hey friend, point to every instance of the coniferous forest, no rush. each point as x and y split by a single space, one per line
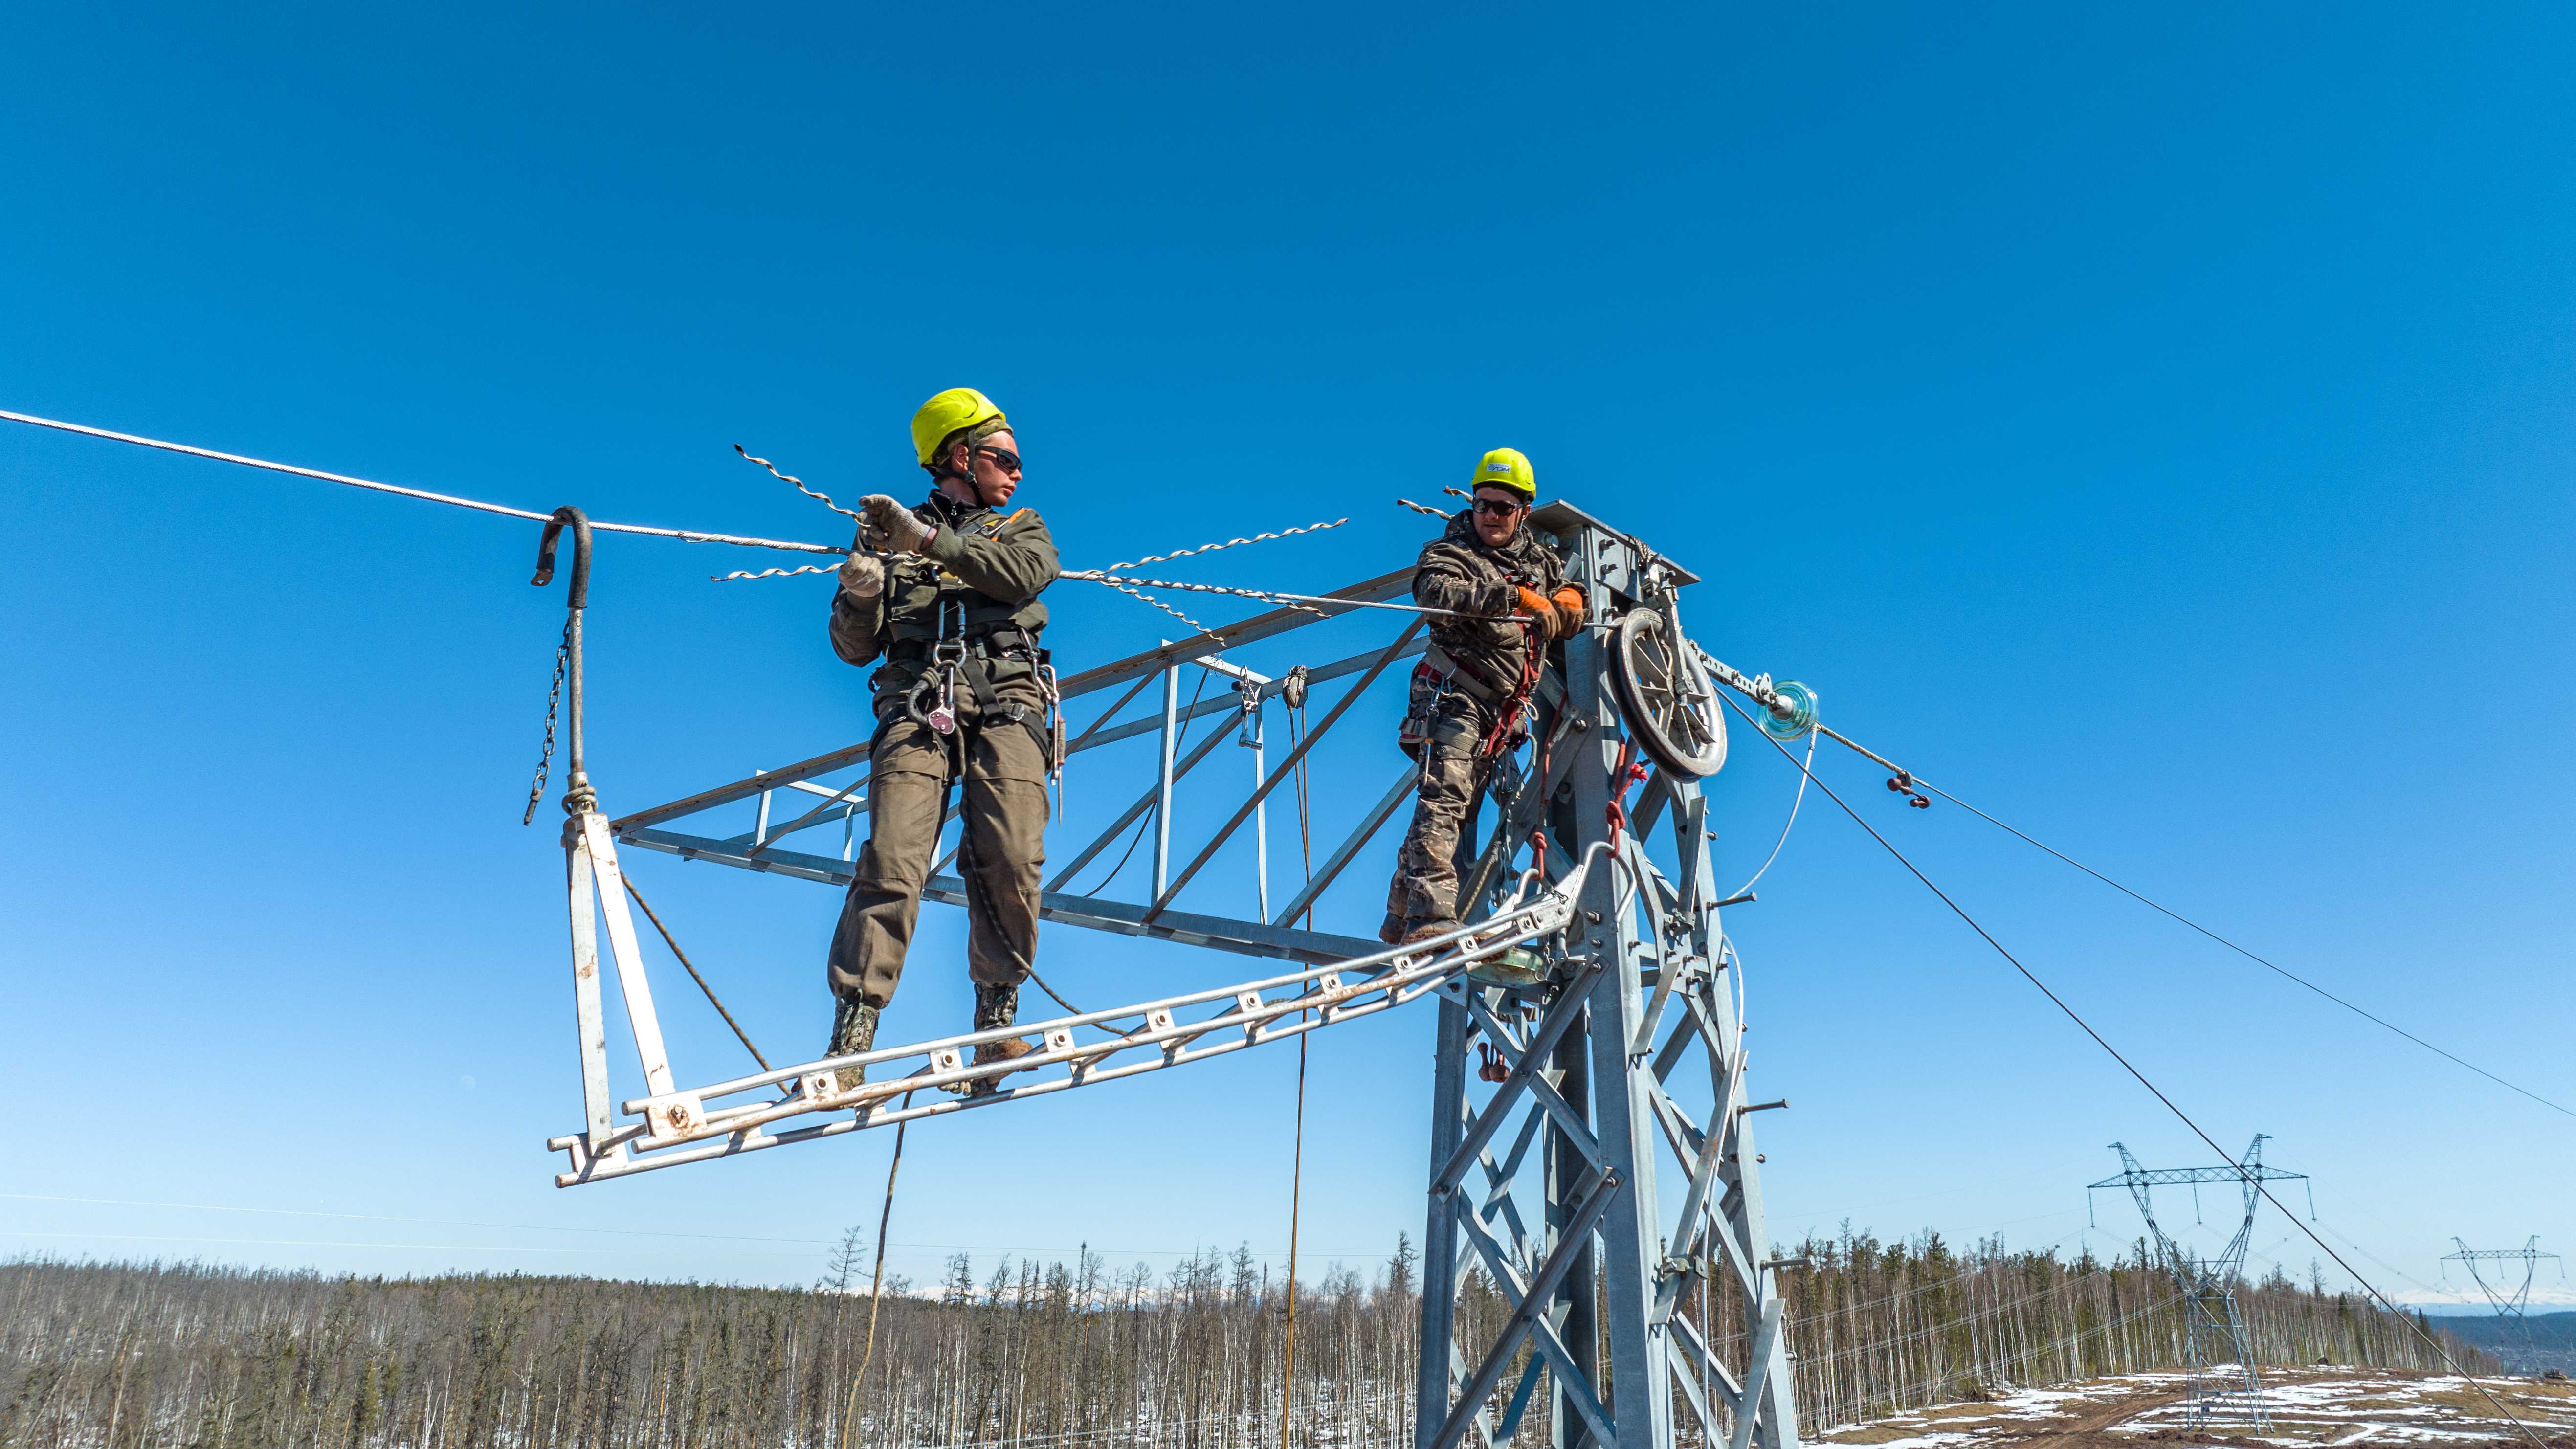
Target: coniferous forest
1043 1356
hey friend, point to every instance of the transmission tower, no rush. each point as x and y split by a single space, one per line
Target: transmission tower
2508 1306
1591 1050
2218 1356
1591 987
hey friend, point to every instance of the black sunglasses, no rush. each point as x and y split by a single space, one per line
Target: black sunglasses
1003 458
1499 507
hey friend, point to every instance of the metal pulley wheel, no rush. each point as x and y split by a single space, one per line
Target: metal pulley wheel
1666 697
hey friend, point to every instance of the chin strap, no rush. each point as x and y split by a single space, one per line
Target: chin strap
974 486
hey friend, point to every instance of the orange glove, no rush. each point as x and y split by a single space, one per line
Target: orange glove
1570 607
1538 606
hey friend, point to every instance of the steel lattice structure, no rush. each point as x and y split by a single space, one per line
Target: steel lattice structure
1590 1103
2217 1356
1595 982
2509 1307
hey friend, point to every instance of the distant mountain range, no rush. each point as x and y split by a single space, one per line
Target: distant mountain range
2551 1340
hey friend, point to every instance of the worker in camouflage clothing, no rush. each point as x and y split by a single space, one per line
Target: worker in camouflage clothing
1472 690
963 698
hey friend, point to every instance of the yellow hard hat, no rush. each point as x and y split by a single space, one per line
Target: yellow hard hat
1507 469
947 412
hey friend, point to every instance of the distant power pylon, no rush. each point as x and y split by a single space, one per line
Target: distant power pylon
2217 1354
2508 1306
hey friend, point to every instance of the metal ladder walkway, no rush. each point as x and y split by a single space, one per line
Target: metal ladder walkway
676 1126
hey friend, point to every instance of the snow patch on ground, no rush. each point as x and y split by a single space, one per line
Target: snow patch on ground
2324 1407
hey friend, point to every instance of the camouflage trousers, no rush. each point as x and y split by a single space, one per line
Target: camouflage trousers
1002 854
1425 887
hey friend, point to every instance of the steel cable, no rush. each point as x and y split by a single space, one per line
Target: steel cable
2126 1065
1788 824
799 485
2268 965
1303 603
685 535
1907 778
687 966
1155 558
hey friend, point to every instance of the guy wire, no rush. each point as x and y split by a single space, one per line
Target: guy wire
686 965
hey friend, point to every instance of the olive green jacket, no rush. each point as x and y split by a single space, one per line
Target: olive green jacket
990 565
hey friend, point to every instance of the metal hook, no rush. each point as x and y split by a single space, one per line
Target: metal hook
580 585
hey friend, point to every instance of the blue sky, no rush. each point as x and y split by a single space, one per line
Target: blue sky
2152 426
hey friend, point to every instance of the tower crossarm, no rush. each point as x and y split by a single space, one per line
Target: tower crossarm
2180 1176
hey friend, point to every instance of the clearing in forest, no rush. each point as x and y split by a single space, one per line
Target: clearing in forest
2322 1406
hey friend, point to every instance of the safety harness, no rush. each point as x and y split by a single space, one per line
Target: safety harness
958 653
1510 701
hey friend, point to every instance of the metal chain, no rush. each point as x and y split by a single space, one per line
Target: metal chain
823 498
1155 558
554 696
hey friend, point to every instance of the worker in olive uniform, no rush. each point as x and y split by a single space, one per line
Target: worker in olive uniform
962 699
1471 693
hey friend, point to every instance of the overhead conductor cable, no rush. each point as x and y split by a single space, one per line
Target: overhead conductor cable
1907 782
685 535
2255 1183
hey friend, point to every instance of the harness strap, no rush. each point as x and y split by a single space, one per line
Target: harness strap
1464 675
988 705
984 641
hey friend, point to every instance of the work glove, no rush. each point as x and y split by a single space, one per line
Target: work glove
1570 608
862 575
903 532
1540 609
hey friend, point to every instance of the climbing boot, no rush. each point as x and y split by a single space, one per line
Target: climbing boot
854 1030
1391 930
1425 930
997 1006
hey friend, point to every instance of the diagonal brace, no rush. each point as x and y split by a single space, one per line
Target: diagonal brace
1244 812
